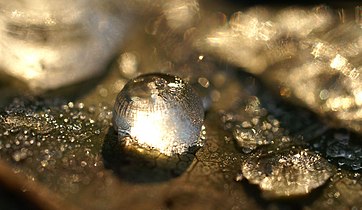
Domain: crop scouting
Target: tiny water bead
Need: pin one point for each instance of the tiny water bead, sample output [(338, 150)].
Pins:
[(54, 142), (159, 111)]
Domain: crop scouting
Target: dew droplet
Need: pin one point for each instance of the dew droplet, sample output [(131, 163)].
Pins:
[(159, 111)]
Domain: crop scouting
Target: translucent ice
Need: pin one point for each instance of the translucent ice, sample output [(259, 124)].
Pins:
[(286, 172), (47, 44), (159, 111), (310, 56)]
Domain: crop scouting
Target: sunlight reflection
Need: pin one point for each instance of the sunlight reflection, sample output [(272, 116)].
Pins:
[(50, 44), (312, 56), (181, 14)]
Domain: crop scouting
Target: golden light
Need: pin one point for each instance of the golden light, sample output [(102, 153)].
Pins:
[(149, 128), (338, 62)]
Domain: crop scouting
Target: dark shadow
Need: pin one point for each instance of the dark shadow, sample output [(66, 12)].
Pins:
[(14, 199), (138, 165), (341, 147)]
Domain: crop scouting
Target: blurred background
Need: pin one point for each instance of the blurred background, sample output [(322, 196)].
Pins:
[(279, 81)]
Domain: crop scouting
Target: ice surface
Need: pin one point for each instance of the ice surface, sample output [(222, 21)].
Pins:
[(95, 171), (286, 172), (317, 65), (159, 111), (48, 45)]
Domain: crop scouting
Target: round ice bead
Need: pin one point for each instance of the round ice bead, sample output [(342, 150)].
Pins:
[(159, 111)]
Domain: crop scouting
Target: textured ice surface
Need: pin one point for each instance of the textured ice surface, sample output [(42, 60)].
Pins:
[(325, 76), (159, 111), (252, 126), (340, 147), (273, 160), (289, 171), (50, 136), (259, 36), (307, 55)]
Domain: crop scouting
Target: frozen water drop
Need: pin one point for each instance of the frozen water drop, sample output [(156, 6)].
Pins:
[(159, 111), (287, 172)]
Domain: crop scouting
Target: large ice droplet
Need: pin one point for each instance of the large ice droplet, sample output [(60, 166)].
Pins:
[(159, 111)]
